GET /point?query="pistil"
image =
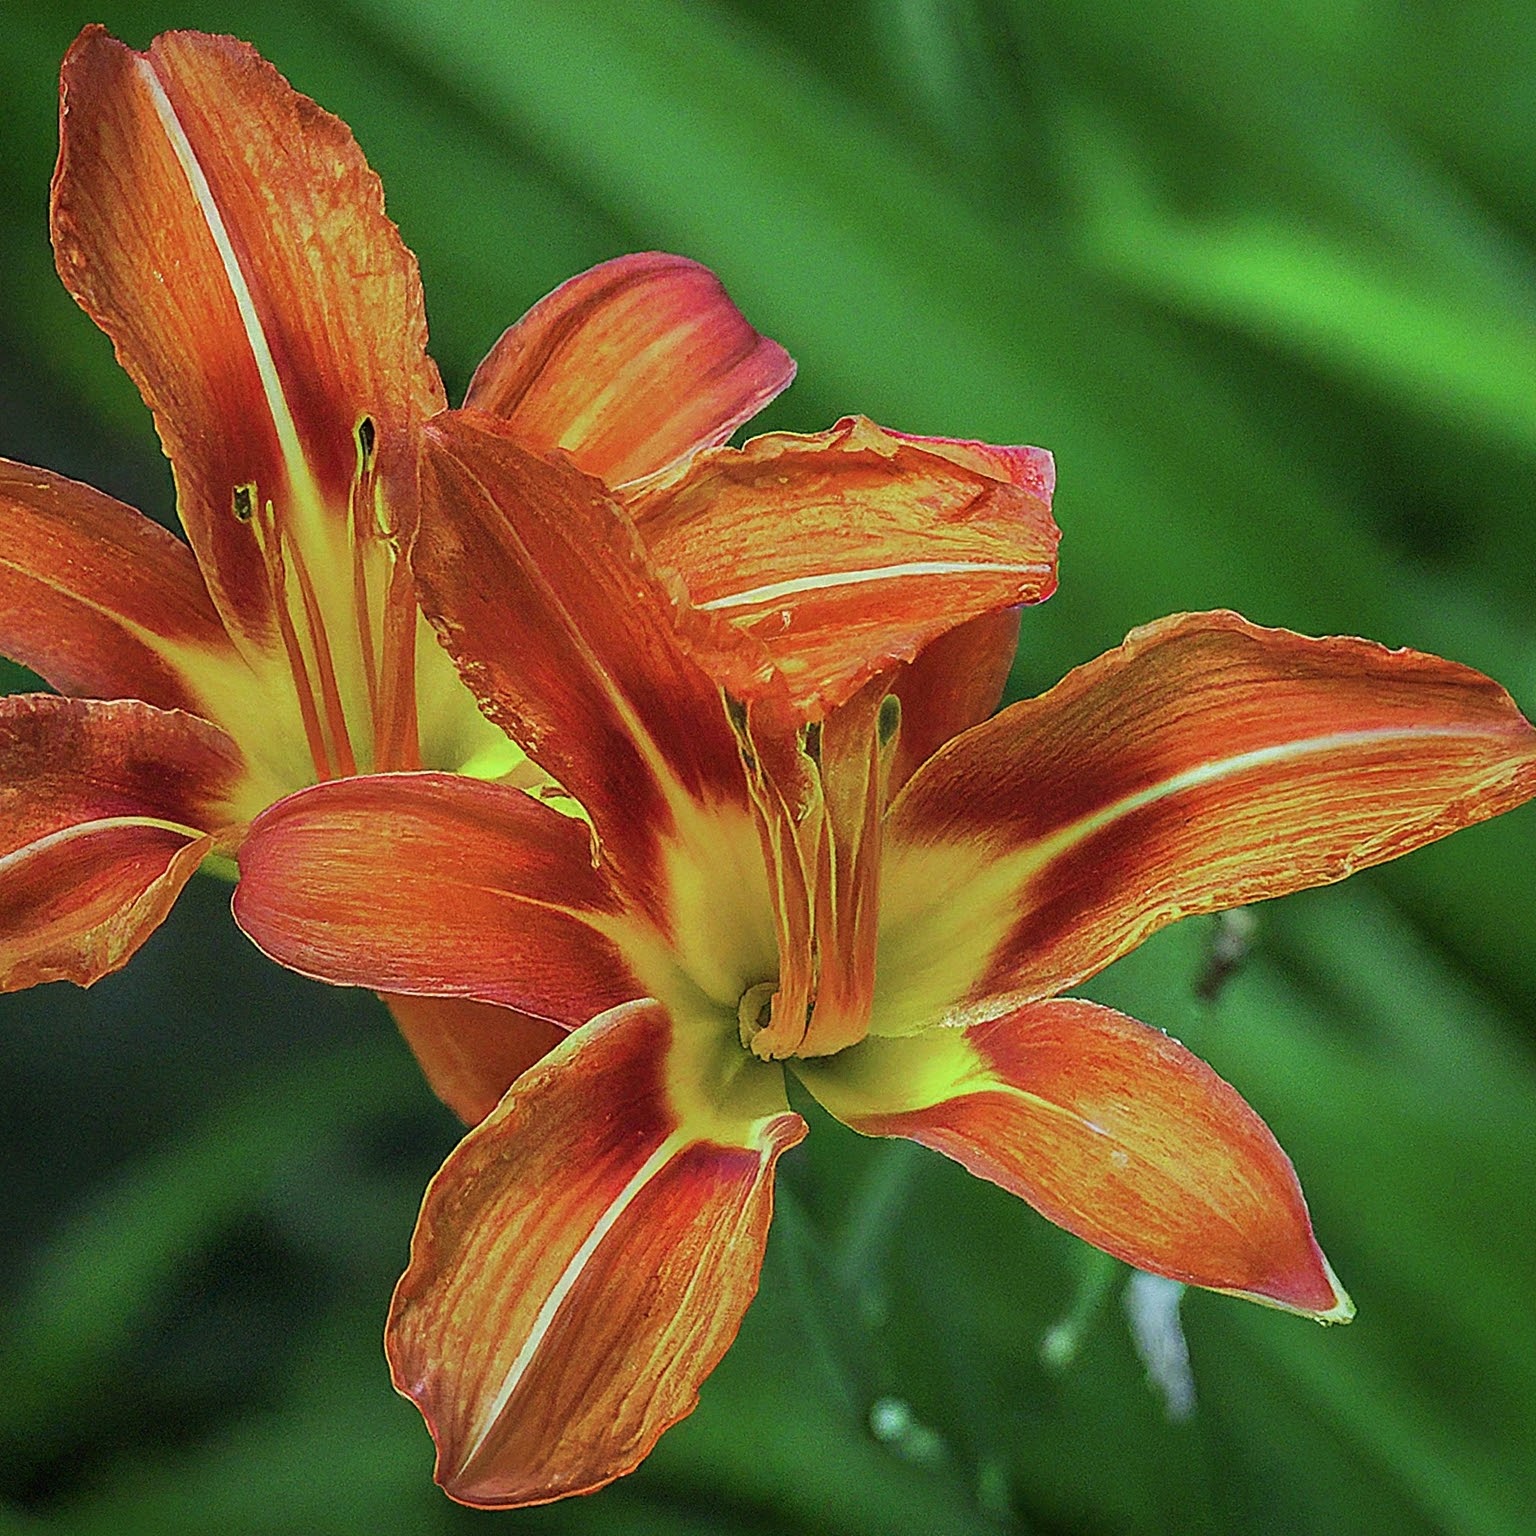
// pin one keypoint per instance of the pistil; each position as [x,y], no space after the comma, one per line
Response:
[755,1010]
[398,738]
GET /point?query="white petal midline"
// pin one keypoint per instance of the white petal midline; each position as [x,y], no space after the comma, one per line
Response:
[567,1281]
[776,590]
[51,840]
[1257,757]
[261,351]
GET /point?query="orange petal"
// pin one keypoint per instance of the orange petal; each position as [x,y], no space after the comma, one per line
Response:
[955,683]
[630,367]
[540,589]
[471,1052]
[845,552]
[1109,1129]
[1204,764]
[229,237]
[434,884]
[99,600]
[583,1259]
[105,812]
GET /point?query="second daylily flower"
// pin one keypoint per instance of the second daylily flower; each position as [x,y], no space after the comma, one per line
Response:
[229,237]
[767,683]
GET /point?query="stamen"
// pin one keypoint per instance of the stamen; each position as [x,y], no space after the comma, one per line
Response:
[856,750]
[811,740]
[786,798]
[269,545]
[359,501]
[736,714]
[391,664]
[335,713]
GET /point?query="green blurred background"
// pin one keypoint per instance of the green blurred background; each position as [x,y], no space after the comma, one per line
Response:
[1261,275]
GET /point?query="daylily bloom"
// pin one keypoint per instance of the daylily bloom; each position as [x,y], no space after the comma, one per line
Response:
[767,680]
[229,237]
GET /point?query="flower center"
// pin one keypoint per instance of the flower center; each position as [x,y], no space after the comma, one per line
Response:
[818,797]
[755,1010]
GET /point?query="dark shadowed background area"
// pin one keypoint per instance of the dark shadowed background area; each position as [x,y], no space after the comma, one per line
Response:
[1261,275]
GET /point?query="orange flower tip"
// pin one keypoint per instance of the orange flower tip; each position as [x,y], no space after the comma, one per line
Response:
[470,1487]
[1314,1292]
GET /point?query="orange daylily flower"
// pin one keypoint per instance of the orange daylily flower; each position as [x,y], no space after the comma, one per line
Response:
[229,237]
[767,680]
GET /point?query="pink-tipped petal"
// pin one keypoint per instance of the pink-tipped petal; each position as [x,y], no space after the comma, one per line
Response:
[542,592]
[229,237]
[630,367]
[1109,1129]
[848,551]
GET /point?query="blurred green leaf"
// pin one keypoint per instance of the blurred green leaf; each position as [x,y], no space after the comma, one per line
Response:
[97,1283]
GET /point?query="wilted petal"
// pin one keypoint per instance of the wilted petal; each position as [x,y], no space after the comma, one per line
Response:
[105,812]
[1204,764]
[471,1052]
[584,1257]
[434,884]
[1031,469]
[1109,1129]
[229,237]
[540,589]
[629,367]
[845,552]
